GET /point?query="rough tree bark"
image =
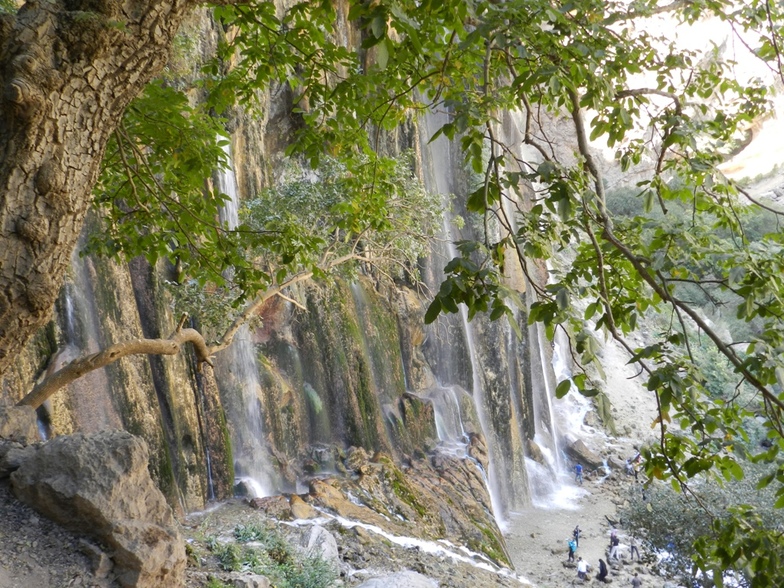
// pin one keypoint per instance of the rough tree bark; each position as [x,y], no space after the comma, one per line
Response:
[68,69]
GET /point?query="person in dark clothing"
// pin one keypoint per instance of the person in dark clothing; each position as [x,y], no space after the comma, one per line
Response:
[576,535]
[614,547]
[602,575]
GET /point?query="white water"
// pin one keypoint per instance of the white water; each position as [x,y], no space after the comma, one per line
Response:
[572,408]
[439,152]
[250,453]
[442,547]
[553,490]
[449,420]
[548,484]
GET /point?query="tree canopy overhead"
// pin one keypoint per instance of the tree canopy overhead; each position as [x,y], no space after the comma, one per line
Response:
[584,70]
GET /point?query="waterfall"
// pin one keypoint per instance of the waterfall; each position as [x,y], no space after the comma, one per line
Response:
[453,342]
[238,377]
[90,398]
[449,420]
[546,435]
[573,407]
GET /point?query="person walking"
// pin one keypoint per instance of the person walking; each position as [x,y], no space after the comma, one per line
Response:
[578,473]
[572,549]
[576,535]
[633,548]
[614,543]
[602,575]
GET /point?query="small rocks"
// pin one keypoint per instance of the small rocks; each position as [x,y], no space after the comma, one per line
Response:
[274,506]
[34,551]
[248,580]
[400,580]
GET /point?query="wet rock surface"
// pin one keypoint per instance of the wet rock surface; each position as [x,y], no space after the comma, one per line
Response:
[363,554]
[426,523]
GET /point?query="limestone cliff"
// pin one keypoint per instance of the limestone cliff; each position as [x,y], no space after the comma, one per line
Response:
[354,367]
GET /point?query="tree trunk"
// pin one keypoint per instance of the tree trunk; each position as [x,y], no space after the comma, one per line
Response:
[67,72]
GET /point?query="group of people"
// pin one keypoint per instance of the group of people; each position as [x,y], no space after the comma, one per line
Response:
[632,468]
[583,566]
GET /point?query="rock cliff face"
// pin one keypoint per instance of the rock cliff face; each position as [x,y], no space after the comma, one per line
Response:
[356,367]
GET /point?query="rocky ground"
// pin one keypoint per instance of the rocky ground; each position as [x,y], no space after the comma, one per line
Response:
[35,553]
[537,537]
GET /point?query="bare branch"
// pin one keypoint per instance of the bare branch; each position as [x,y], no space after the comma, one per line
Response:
[79,367]
[274,290]
[294,302]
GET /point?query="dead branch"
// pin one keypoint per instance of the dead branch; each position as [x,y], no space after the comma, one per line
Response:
[79,367]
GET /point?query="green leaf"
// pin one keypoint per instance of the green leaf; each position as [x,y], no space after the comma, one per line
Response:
[382,53]
[433,311]
[563,388]
[562,299]
[378,25]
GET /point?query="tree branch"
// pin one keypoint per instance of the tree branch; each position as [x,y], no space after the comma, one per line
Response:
[79,367]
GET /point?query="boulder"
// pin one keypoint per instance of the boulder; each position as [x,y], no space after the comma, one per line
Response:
[100,485]
[19,423]
[356,457]
[580,452]
[616,463]
[248,580]
[301,509]
[100,562]
[535,452]
[400,580]
[323,544]
[12,455]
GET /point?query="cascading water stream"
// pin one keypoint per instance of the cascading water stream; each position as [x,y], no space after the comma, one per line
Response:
[449,420]
[549,393]
[91,398]
[545,433]
[550,482]
[238,376]
[574,406]
[440,160]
